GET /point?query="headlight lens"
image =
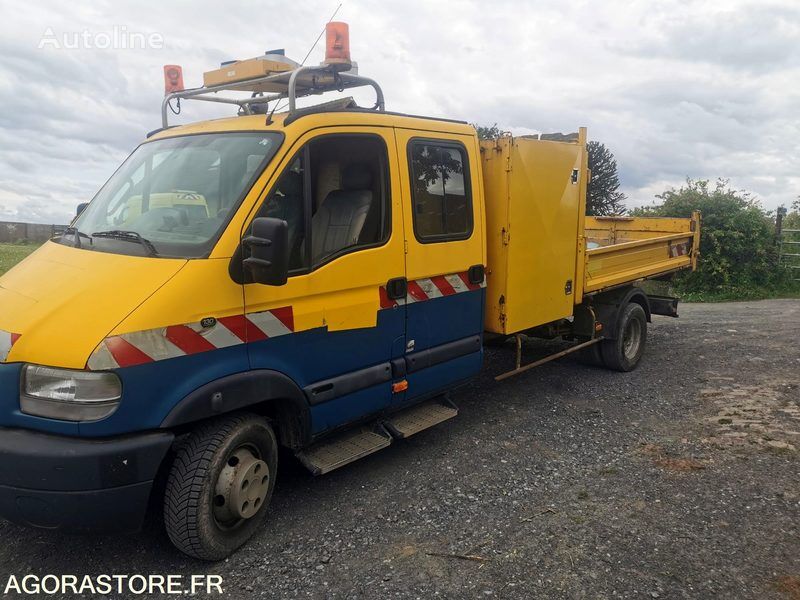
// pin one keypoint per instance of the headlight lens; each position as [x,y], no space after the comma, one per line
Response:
[69,394]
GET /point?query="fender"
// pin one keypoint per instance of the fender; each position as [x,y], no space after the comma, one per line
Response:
[608,306]
[265,391]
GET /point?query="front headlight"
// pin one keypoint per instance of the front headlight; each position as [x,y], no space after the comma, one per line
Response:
[68,394]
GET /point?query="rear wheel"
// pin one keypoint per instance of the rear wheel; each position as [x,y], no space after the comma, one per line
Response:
[220,485]
[624,352]
[591,355]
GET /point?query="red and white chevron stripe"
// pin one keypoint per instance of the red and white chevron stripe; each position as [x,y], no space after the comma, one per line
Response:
[420,290]
[678,249]
[7,339]
[150,345]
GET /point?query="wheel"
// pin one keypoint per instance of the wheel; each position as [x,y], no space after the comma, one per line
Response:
[591,356]
[220,484]
[624,352]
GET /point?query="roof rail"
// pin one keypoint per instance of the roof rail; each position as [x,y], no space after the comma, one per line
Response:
[297,83]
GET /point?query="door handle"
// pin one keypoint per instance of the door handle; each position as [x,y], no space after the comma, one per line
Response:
[475,274]
[397,288]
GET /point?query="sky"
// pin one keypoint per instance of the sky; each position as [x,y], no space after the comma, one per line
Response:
[674,88]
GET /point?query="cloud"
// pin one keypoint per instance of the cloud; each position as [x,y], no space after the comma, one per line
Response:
[676,88]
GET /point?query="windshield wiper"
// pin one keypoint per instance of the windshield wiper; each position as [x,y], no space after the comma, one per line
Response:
[77,234]
[128,236]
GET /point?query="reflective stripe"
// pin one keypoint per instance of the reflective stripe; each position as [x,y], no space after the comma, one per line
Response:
[154,343]
[188,340]
[237,325]
[139,347]
[430,289]
[5,344]
[102,359]
[458,284]
[268,323]
[438,286]
[7,340]
[443,285]
[125,353]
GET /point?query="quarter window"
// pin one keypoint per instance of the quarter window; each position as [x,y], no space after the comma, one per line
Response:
[440,191]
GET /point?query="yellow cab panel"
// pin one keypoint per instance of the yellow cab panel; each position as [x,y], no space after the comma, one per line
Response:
[445,260]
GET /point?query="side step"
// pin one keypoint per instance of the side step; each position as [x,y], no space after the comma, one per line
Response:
[343,449]
[415,419]
[329,454]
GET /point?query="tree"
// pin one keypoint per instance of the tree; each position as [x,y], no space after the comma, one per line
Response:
[792,219]
[603,196]
[738,254]
[488,132]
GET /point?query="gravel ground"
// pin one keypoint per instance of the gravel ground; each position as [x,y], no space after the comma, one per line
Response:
[679,480]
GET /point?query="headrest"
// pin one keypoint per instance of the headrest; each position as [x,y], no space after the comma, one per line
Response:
[356,176]
[291,184]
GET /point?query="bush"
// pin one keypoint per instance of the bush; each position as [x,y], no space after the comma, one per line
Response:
[738,253]
[792,219]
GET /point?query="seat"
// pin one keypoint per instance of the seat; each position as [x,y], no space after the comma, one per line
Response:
[289,205]
[338,222]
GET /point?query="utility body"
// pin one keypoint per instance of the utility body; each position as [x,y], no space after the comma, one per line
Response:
[318,279]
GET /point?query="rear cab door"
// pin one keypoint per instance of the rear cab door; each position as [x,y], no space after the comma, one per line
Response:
[445,258]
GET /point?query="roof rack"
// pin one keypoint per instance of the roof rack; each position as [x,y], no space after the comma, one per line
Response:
[297,83]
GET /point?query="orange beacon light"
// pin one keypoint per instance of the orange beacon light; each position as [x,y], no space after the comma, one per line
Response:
[337,43]
[173,79]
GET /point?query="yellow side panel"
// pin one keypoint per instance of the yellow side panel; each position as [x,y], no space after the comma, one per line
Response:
[617,230]
[454,256]
[495,157]
[533,206]
[203,288]
[636,248]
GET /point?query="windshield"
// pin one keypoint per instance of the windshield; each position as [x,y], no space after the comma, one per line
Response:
[172,197]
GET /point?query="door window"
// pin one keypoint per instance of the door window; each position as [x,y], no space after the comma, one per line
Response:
[334,197]
[440,191]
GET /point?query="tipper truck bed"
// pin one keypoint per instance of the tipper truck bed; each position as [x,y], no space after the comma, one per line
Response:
[544,256]
[319,279]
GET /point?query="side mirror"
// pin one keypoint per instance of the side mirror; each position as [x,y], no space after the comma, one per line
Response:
[268,249]
[81,207]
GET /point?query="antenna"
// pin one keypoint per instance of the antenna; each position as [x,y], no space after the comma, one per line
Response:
[321,33]
[310,50]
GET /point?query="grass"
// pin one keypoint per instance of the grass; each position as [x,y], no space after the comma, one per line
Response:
[11,254]
[739,294]
[731,294]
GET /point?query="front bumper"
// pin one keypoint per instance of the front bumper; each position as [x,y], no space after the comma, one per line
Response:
[78,484]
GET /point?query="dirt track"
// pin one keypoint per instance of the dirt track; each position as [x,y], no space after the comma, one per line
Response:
[679,480]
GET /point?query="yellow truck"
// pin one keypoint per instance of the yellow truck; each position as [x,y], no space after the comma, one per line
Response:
[318,279]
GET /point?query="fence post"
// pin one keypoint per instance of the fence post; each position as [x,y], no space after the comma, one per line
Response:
[779,221]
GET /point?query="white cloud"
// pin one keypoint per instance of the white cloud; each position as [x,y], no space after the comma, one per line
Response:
[677,88]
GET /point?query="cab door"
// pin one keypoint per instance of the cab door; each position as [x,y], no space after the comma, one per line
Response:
[332,328]
[443,220]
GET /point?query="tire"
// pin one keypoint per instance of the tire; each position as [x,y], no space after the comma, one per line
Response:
[591,356]
[210,506]
[624,352]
